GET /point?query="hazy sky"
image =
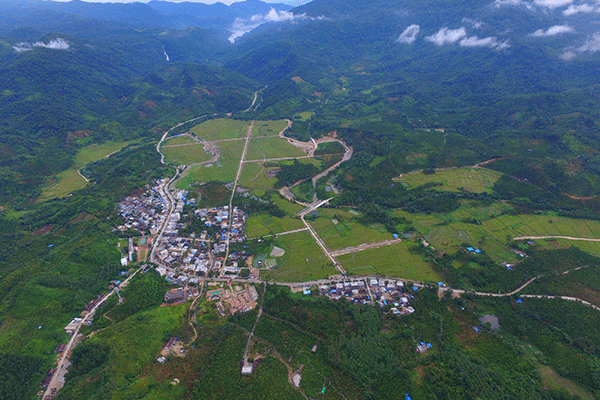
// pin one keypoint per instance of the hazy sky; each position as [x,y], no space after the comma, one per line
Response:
[290,2]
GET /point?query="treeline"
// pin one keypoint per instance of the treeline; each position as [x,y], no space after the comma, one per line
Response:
[295,172]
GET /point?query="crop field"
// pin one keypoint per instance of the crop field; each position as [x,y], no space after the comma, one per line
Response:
[347,233]
[222,128]
[253,176]
[303,260]
[96,152]
[395,261]
[181,139]
[272,147]
[67,182]
[268,128]
[474,180]
[287,206]
[265,224]
[190,154]
[223,170]
[448,231]
[304,116]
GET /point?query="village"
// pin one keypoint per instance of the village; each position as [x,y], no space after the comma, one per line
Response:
[183,259]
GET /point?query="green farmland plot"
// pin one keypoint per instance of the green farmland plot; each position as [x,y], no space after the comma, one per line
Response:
[253,176]
[475,180]
[268,128]
[219,129]
[272,147]
[187,154]
[265,224]
[339,233]
[180,139]
[66,182]
[395,261]
[96,152]
[303,260]
[223,170]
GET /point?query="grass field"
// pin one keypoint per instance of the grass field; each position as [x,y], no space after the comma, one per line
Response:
[186,155]
[394,260]
[304,116]
[347,232]
[553,380]
[303,260]
[223,170]
[272,147]
[475,180]
[287,206]
[96,152]
[265,224]
[181,139]
[217,129]
[268,128]
[67,182]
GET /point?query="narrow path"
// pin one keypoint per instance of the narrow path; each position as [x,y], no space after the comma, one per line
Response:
[81,175]
[235,184]
[322,245]
[555,237]
[364,246]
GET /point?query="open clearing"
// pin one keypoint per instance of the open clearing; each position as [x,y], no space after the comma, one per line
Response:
[186,155]
[551,379]
[394,261]
[96,152]
[272,147]
[475,180]
[219,129]
[254,177]
[67,182]
[303,260]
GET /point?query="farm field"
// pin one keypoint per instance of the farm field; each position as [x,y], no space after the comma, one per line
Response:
[223,170]
[265,224]
[272,147]
[253,177]
[180,139]
[96,152]
[67,182]
[268,128]
[474,180]
[492,235]
[219,129]
[187,155]
[288,207]
[347,233]
[395,261]
[303,260]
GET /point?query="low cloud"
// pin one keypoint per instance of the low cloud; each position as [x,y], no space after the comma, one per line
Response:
[474,23]
[592,45]
[490,42]
[242,26]
[409,35]
[553,31]
[447,36]
[552,3]
[580,8]
[54,44]
[503,3]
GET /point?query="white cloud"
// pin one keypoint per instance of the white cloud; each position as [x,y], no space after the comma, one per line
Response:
[501,3]
[581,8]
[474,23]
[54,44]
[447,36]
[242,26]
[567,55]
[552,3]
[553,31]
[592,45]
[409,35]
[491,42]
